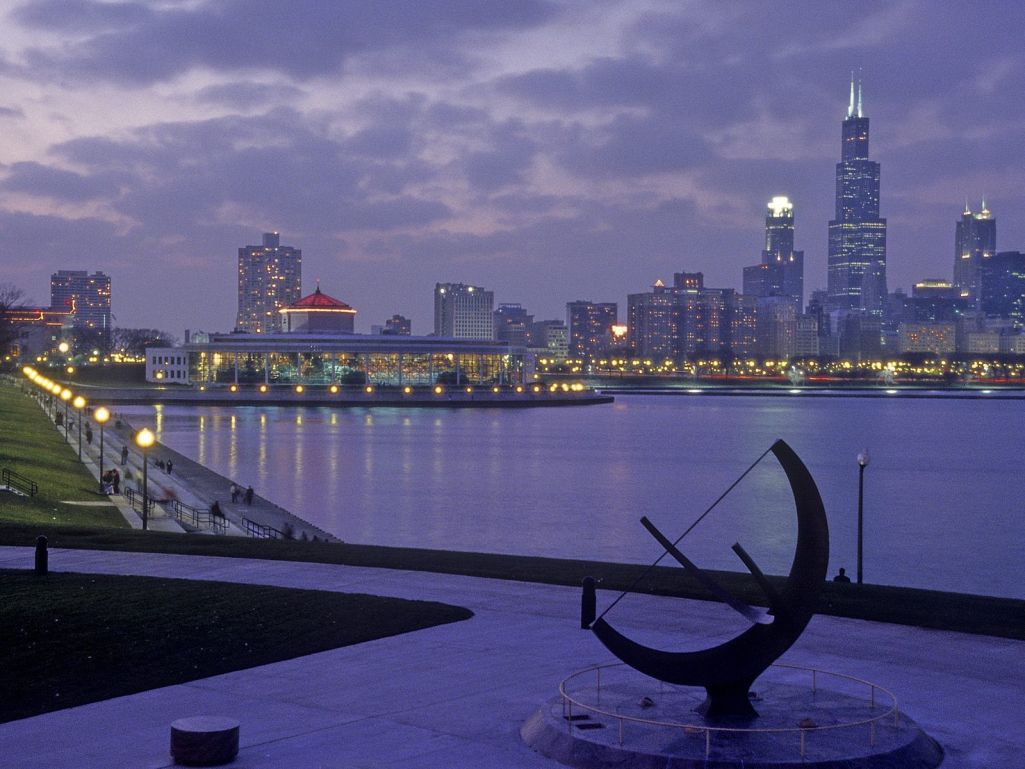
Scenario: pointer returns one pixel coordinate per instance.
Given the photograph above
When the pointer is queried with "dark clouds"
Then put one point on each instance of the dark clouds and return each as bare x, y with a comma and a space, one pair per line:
404, 143
137, 43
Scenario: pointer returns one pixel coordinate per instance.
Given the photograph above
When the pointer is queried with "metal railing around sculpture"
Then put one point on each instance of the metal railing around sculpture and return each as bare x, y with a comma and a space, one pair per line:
571, 701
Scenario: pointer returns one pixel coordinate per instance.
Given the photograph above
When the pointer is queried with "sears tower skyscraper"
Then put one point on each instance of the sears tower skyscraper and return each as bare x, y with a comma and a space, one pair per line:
856, 277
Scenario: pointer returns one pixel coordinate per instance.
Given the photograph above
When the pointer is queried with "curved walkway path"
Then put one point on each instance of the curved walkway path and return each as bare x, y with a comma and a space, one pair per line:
455, 696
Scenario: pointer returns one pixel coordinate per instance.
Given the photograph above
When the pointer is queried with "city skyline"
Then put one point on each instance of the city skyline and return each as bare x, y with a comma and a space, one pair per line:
468, 147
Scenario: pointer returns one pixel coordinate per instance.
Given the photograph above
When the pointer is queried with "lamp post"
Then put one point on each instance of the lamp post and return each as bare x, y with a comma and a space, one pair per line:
144, 439
65, 396
862, 464
101, 415
79, 404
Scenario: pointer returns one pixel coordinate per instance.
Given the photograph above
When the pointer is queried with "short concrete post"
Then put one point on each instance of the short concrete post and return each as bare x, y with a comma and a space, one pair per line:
204, 740
42, 557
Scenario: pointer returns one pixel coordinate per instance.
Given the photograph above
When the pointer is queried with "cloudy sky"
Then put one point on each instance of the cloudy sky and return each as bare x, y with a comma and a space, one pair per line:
550, 151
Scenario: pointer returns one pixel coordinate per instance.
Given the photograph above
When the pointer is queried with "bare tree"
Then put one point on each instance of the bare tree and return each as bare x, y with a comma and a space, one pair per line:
134, 341
11, 297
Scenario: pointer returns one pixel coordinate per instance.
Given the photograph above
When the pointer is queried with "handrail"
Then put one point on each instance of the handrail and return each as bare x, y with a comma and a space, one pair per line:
198, 518
260, 531
18, 482
131, 494
894, 710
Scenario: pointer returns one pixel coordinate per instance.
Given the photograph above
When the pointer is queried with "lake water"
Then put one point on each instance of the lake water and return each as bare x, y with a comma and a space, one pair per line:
944, 491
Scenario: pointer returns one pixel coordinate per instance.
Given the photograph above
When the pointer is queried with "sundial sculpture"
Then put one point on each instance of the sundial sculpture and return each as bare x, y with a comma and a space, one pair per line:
727, 671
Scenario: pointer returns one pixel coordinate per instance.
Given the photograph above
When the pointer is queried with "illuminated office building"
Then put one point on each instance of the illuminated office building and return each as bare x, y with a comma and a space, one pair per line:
463, 312
781, 270
975, 243
856, 277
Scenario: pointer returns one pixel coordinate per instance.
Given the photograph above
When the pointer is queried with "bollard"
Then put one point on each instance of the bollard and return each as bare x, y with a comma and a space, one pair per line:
588, 604
42, 559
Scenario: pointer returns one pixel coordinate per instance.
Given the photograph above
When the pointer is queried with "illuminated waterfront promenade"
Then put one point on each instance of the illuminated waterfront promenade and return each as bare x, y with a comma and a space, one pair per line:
468, 396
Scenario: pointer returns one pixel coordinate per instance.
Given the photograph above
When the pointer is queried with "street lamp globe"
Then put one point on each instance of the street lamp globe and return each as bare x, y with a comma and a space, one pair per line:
65, 394
78, 402
145, 438
101, 415
863, 458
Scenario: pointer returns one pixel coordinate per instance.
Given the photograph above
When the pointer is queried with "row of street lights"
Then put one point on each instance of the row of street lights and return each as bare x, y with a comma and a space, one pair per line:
143, 438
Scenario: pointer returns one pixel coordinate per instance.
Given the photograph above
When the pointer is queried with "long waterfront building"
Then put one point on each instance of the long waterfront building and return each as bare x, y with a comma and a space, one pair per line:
343, 359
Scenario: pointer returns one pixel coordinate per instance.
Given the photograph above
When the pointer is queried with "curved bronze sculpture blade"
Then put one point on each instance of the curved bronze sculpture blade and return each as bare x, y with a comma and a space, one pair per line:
728, 670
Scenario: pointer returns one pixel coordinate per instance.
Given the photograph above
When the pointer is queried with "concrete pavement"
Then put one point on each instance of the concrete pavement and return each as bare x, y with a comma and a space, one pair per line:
456, 695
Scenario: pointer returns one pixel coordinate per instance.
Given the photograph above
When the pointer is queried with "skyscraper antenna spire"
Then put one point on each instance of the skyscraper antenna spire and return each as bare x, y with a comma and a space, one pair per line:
860, 113
850, 104
967, 210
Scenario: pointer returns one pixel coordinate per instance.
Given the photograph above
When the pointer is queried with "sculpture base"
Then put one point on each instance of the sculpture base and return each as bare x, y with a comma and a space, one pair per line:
638, 723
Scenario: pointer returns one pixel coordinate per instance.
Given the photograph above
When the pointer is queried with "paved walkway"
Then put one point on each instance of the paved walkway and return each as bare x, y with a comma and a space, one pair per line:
189, 482
455, 696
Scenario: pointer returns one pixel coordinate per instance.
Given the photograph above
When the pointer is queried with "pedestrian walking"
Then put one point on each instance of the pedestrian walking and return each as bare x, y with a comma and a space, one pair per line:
89, 435
169, 465
115, 481
124, 454
235, 491
249, 495
215, 510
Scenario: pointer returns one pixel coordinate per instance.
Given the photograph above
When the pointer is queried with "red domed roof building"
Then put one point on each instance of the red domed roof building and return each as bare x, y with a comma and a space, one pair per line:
318, 313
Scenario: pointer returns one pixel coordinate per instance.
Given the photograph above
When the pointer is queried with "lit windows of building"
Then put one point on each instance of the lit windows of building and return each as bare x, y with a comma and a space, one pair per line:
269, 279
463, 312
975, 244
856, 273
86, 297
590, 327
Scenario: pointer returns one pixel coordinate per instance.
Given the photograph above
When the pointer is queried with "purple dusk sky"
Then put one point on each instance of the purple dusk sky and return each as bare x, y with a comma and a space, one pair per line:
548, 151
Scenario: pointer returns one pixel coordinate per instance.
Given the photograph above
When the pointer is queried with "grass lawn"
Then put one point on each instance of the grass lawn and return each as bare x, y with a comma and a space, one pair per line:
69, 639
907, 606
32, 446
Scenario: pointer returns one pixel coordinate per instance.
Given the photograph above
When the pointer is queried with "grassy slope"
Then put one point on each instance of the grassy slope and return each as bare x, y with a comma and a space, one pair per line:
69, 639
32, 446
924, 608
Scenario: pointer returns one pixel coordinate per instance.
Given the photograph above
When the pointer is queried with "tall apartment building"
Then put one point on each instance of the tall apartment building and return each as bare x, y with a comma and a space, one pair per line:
512, 324
688, 319
856, 276
653, 322
463, 312
269, 278
590, 327
86, 297
975, 243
